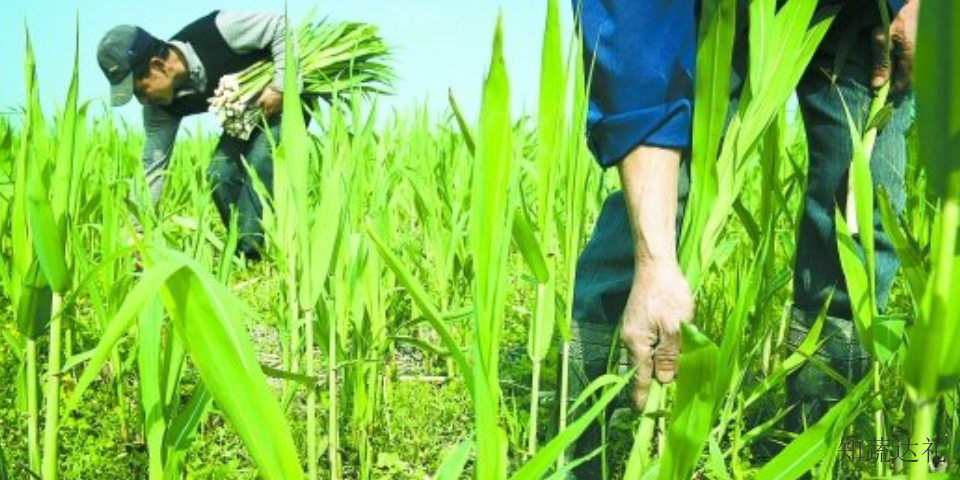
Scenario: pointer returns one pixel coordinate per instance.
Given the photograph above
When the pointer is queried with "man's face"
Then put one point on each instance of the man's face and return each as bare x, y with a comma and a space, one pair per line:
156, 88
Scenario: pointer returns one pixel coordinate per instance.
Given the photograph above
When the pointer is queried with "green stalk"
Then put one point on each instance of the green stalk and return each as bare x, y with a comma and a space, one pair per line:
149, 358
312, 460
254, 71
117, 368
641, 452
564, 386
534, 409
923, 420
3, 465
294, 312
251, 89
865, 225
541, 333
942, 276
332, 427
878, 416
577, 178
931, 360
110, 205
33, 409
551, 120
52, 393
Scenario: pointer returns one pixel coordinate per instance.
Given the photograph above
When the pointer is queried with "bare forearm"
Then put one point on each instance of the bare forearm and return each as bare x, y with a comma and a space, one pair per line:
649, 178
660, 299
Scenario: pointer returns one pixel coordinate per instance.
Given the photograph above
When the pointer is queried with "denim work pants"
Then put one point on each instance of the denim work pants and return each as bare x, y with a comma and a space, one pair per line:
817, 269
605, 269
233, 186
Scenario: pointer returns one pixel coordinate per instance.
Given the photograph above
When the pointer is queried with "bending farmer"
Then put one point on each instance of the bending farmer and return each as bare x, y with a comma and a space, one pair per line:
176, 78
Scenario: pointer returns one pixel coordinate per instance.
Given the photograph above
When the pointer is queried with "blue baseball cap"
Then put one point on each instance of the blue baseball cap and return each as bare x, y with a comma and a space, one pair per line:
122, 50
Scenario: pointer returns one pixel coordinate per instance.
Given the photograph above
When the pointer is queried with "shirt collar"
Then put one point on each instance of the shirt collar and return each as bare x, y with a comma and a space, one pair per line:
197, 83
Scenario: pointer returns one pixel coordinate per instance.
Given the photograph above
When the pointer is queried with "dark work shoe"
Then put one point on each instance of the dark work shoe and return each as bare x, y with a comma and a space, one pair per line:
592, 347
249, 251
811, 390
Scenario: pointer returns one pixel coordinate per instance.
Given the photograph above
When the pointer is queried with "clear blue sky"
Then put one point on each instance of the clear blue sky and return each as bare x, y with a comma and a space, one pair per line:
439, 44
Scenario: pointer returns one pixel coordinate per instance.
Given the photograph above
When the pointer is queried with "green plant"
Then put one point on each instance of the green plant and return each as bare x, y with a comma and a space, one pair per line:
932, 366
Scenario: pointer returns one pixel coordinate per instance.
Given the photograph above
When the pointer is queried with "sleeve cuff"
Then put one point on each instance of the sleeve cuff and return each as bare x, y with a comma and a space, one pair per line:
612, 137
896, 5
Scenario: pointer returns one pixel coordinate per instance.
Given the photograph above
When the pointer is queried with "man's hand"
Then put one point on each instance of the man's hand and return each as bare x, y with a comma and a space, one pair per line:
660, 300
270, 101
896, 58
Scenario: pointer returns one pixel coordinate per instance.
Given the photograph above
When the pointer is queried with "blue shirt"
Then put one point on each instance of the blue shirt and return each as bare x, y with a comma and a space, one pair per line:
640, 57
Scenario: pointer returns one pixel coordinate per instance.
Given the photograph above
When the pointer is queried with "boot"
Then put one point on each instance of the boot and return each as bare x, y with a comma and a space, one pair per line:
591, 347
810, 389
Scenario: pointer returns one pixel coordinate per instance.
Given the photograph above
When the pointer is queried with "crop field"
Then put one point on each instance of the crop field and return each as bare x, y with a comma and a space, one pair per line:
411, 316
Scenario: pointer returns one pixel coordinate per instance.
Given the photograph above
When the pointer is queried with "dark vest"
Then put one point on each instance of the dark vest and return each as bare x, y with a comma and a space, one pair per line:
217, 58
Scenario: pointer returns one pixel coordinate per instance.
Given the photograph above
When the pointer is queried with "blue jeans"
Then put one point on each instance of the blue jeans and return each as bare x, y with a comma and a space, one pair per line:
817, 269
233, 187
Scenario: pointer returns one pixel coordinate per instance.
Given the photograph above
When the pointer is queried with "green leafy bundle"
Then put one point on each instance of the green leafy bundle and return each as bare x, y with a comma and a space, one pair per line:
333, 57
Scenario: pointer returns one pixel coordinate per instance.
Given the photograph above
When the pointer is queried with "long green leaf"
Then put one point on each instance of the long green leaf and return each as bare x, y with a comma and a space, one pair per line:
526, 240
491, 211
544, 320
577, 176
693, 412
857, 282
937, 74
221, 350
550, 117
601, 382
67, 137
33, 312
548, 454
796, 35
806, 350
150, 283
888, 335
326, 235
804, 452
761, 31
47, 241
911, 262
420, 297
714, 64
465, 132
45, 234
861, 181
151, 394
455, 461
933, 363
182, 431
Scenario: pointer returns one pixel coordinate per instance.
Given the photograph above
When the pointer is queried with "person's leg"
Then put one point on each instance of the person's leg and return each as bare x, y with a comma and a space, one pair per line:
259, 156
818, 273
225, 175
603, 279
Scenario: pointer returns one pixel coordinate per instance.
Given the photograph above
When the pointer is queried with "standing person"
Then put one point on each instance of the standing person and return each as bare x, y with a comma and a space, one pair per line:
176, 78
641, 101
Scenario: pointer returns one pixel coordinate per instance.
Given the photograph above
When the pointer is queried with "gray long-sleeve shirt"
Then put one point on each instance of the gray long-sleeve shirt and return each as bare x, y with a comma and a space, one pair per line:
244, 32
